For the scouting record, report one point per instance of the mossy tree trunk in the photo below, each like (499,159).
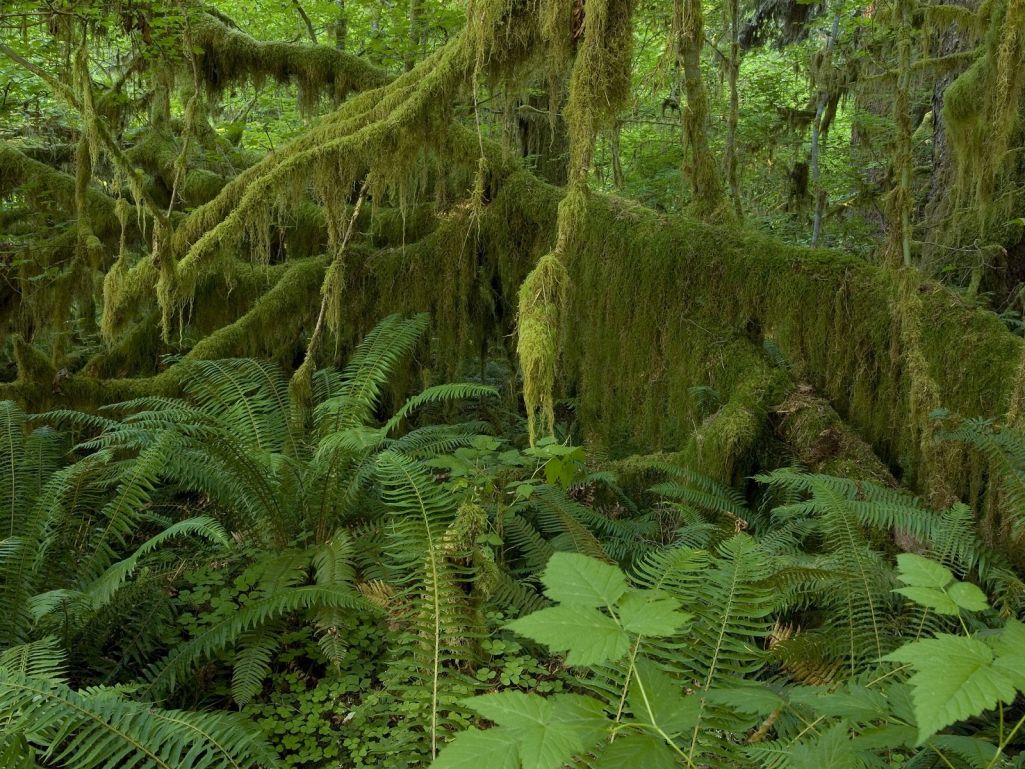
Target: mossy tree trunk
(700,167)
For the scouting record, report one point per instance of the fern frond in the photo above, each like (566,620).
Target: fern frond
(955,542)
(166,675)
(432,441)
(438,394)
(248,397)
(703,493)
(533,548)
(522,598)
(99,593)
(121,515)
(89,730)
(333,567)
(38,659)
(27,558)
(557,515)
(1004,448)
(430,565)
(732,596)
(253,662)
(367,372)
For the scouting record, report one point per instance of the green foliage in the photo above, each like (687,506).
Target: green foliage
(535,732)
(957,677)
(931,585)
(970,680)
(381,569)
(590,637)
(700,620)
(47,723)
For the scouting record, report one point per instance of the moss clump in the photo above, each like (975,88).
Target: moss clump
(542,297)
(982,112)
(723,446)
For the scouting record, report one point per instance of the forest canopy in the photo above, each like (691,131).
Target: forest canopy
(544,383)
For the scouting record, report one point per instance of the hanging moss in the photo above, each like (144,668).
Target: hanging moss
(542,297)
(396,132)
(270,329)
(644,286)
(54,190)
(229,56)
(599,86)
(657,306)
(982,112)
(654,306)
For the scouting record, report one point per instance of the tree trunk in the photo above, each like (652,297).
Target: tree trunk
(818,135)
(415,34)
(733,72)
(341,26)
(700,167)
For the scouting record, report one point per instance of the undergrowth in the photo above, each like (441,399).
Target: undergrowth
(234,578)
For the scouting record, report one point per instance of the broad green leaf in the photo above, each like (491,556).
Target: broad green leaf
(647,612)
(511,708)
(968,596)
(916,571)
(559,473)
(585,715)
(579,580)
(1011,637)
(586,635)
(517,710)
(1009,647)
(752,700)
(474,749)
(637,750)
(931,598)
(853,702)
(955,679)
(547,731)
(655,698)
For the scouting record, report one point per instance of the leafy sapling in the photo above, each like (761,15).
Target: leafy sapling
(958,676)
(598,620)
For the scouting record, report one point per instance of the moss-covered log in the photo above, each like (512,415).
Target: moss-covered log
(647,302)
(822,442)
(643,283)
(657,306)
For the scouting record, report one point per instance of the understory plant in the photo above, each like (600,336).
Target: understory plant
(368,578)
(655,693)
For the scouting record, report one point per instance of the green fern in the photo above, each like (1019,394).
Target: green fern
(1004,448)
(165,675)
(49,723)
(857,582)
(430,564)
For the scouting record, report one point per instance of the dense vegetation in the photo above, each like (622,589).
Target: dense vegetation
(522,384)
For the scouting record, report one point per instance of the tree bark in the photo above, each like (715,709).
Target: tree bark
(700,166)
